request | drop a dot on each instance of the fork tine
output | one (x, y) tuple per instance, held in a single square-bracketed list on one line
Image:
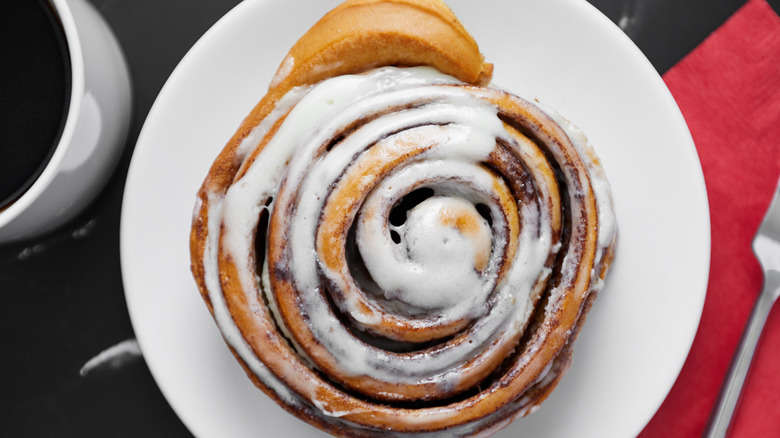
[(766, 243)]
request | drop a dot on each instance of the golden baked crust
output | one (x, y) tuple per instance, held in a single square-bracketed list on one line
[(534, 164), (362, 34)]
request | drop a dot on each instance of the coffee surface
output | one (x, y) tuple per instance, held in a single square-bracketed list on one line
[(34, 92)]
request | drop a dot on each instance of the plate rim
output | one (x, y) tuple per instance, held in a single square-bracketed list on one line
[(225, 20)]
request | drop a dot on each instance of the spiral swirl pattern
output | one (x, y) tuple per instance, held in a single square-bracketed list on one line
[(400, 251)]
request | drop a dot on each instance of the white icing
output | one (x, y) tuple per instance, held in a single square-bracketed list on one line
[(227, 327), (440, 270), (389, 263), (353, 356), (598, 179), (284, 70), (435, 271), (216, 211)]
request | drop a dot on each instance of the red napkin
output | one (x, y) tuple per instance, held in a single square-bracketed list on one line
[(728, 89)]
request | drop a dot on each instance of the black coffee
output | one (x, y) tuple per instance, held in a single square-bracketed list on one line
[(34, 92)]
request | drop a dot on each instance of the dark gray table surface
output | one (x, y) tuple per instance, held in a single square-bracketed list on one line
[(62, 295)]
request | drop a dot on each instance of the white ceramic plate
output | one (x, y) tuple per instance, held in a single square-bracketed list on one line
[(562, 51)]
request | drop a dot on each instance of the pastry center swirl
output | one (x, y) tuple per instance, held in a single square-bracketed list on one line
[(442, 275), (407, 241)]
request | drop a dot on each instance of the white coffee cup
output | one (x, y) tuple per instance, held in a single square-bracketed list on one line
[(94, 132)]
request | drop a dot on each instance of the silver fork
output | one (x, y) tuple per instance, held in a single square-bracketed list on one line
[(766, 246)]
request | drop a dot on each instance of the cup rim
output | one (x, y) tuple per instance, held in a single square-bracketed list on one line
[(77, 85)]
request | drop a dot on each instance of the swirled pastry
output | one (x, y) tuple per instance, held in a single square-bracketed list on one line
[(391, 248)]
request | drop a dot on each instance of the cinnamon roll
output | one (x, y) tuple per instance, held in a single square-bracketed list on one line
[(388, 246)]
